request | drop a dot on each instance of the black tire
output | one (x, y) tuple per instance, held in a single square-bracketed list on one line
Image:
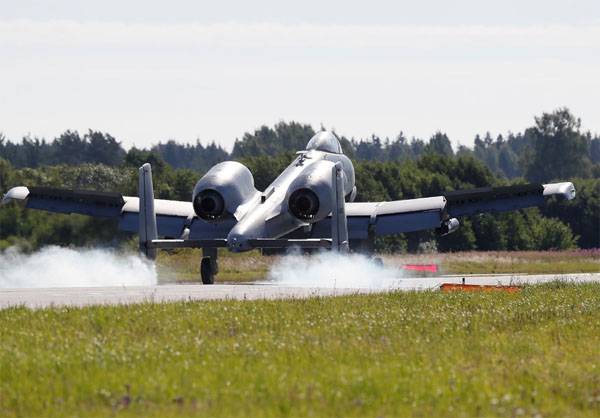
[(378, 261), (206, 271)]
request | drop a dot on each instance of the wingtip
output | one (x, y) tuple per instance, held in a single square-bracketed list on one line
[(16, 193), (564, 189)]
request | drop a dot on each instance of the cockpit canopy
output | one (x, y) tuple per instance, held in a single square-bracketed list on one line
[(325, 141)]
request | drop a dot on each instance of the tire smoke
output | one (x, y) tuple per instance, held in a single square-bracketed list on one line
[(67, 267), (332, 270)]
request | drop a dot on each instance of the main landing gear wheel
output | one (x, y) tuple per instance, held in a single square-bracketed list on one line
[(207, 270), (378, 261)]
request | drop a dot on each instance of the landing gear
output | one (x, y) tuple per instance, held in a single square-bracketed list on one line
[(208, 266), (206, 271)]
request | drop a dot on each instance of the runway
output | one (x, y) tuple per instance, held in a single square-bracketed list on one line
[(77, 296)]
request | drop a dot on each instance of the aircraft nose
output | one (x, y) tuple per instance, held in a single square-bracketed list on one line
[(240, 236)]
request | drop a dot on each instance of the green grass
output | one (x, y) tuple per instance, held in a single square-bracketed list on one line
[(530, 262), (398, 354), (555, 267)]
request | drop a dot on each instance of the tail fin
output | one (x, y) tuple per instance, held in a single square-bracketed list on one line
[(147, 217), (339, 224)]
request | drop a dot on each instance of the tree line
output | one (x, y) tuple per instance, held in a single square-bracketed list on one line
[(554, 146), (553, 149)]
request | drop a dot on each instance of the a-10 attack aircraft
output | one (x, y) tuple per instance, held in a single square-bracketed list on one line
[(310, 205)]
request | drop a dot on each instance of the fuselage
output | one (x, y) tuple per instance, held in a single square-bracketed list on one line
[(268, 214)]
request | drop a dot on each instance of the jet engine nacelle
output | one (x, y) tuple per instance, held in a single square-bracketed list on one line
[(310, 196), (222, 190), (448, 227)]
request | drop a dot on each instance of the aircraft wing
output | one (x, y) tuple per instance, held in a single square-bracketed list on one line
[(366, 219), (172, 216)]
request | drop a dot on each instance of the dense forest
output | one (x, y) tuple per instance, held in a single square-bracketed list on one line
[(553, 148)]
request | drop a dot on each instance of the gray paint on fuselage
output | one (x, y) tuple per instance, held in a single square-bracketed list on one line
[(271, 218)]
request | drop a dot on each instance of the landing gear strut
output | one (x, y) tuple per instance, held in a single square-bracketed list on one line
[(378, 261), (208, 266)]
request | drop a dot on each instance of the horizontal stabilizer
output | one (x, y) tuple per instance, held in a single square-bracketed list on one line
[(255, 243)]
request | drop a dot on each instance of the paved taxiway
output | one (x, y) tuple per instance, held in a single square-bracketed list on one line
[(77, 296)]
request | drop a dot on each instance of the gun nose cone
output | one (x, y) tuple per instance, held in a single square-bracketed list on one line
[(241, 235), (238, 243)]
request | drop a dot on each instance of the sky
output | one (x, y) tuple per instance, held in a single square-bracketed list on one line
[(148, 71)]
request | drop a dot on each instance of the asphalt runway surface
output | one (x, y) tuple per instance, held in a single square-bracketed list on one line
[(77, 296)]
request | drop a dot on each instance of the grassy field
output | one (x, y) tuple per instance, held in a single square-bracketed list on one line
[(534, 353), (183, 265), (528, 262)]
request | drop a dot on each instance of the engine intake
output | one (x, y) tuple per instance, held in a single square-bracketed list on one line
[(304, 204)]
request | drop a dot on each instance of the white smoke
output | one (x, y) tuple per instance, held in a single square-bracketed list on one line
[(67, 267), (334, 270)]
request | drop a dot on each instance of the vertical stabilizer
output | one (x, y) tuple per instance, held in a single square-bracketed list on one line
[(147, 228), (339, 225)]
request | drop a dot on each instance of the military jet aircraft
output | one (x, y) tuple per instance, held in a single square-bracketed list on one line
[(310, 205)]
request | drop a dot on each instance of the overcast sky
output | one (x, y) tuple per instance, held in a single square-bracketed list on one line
[(147, 71)]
